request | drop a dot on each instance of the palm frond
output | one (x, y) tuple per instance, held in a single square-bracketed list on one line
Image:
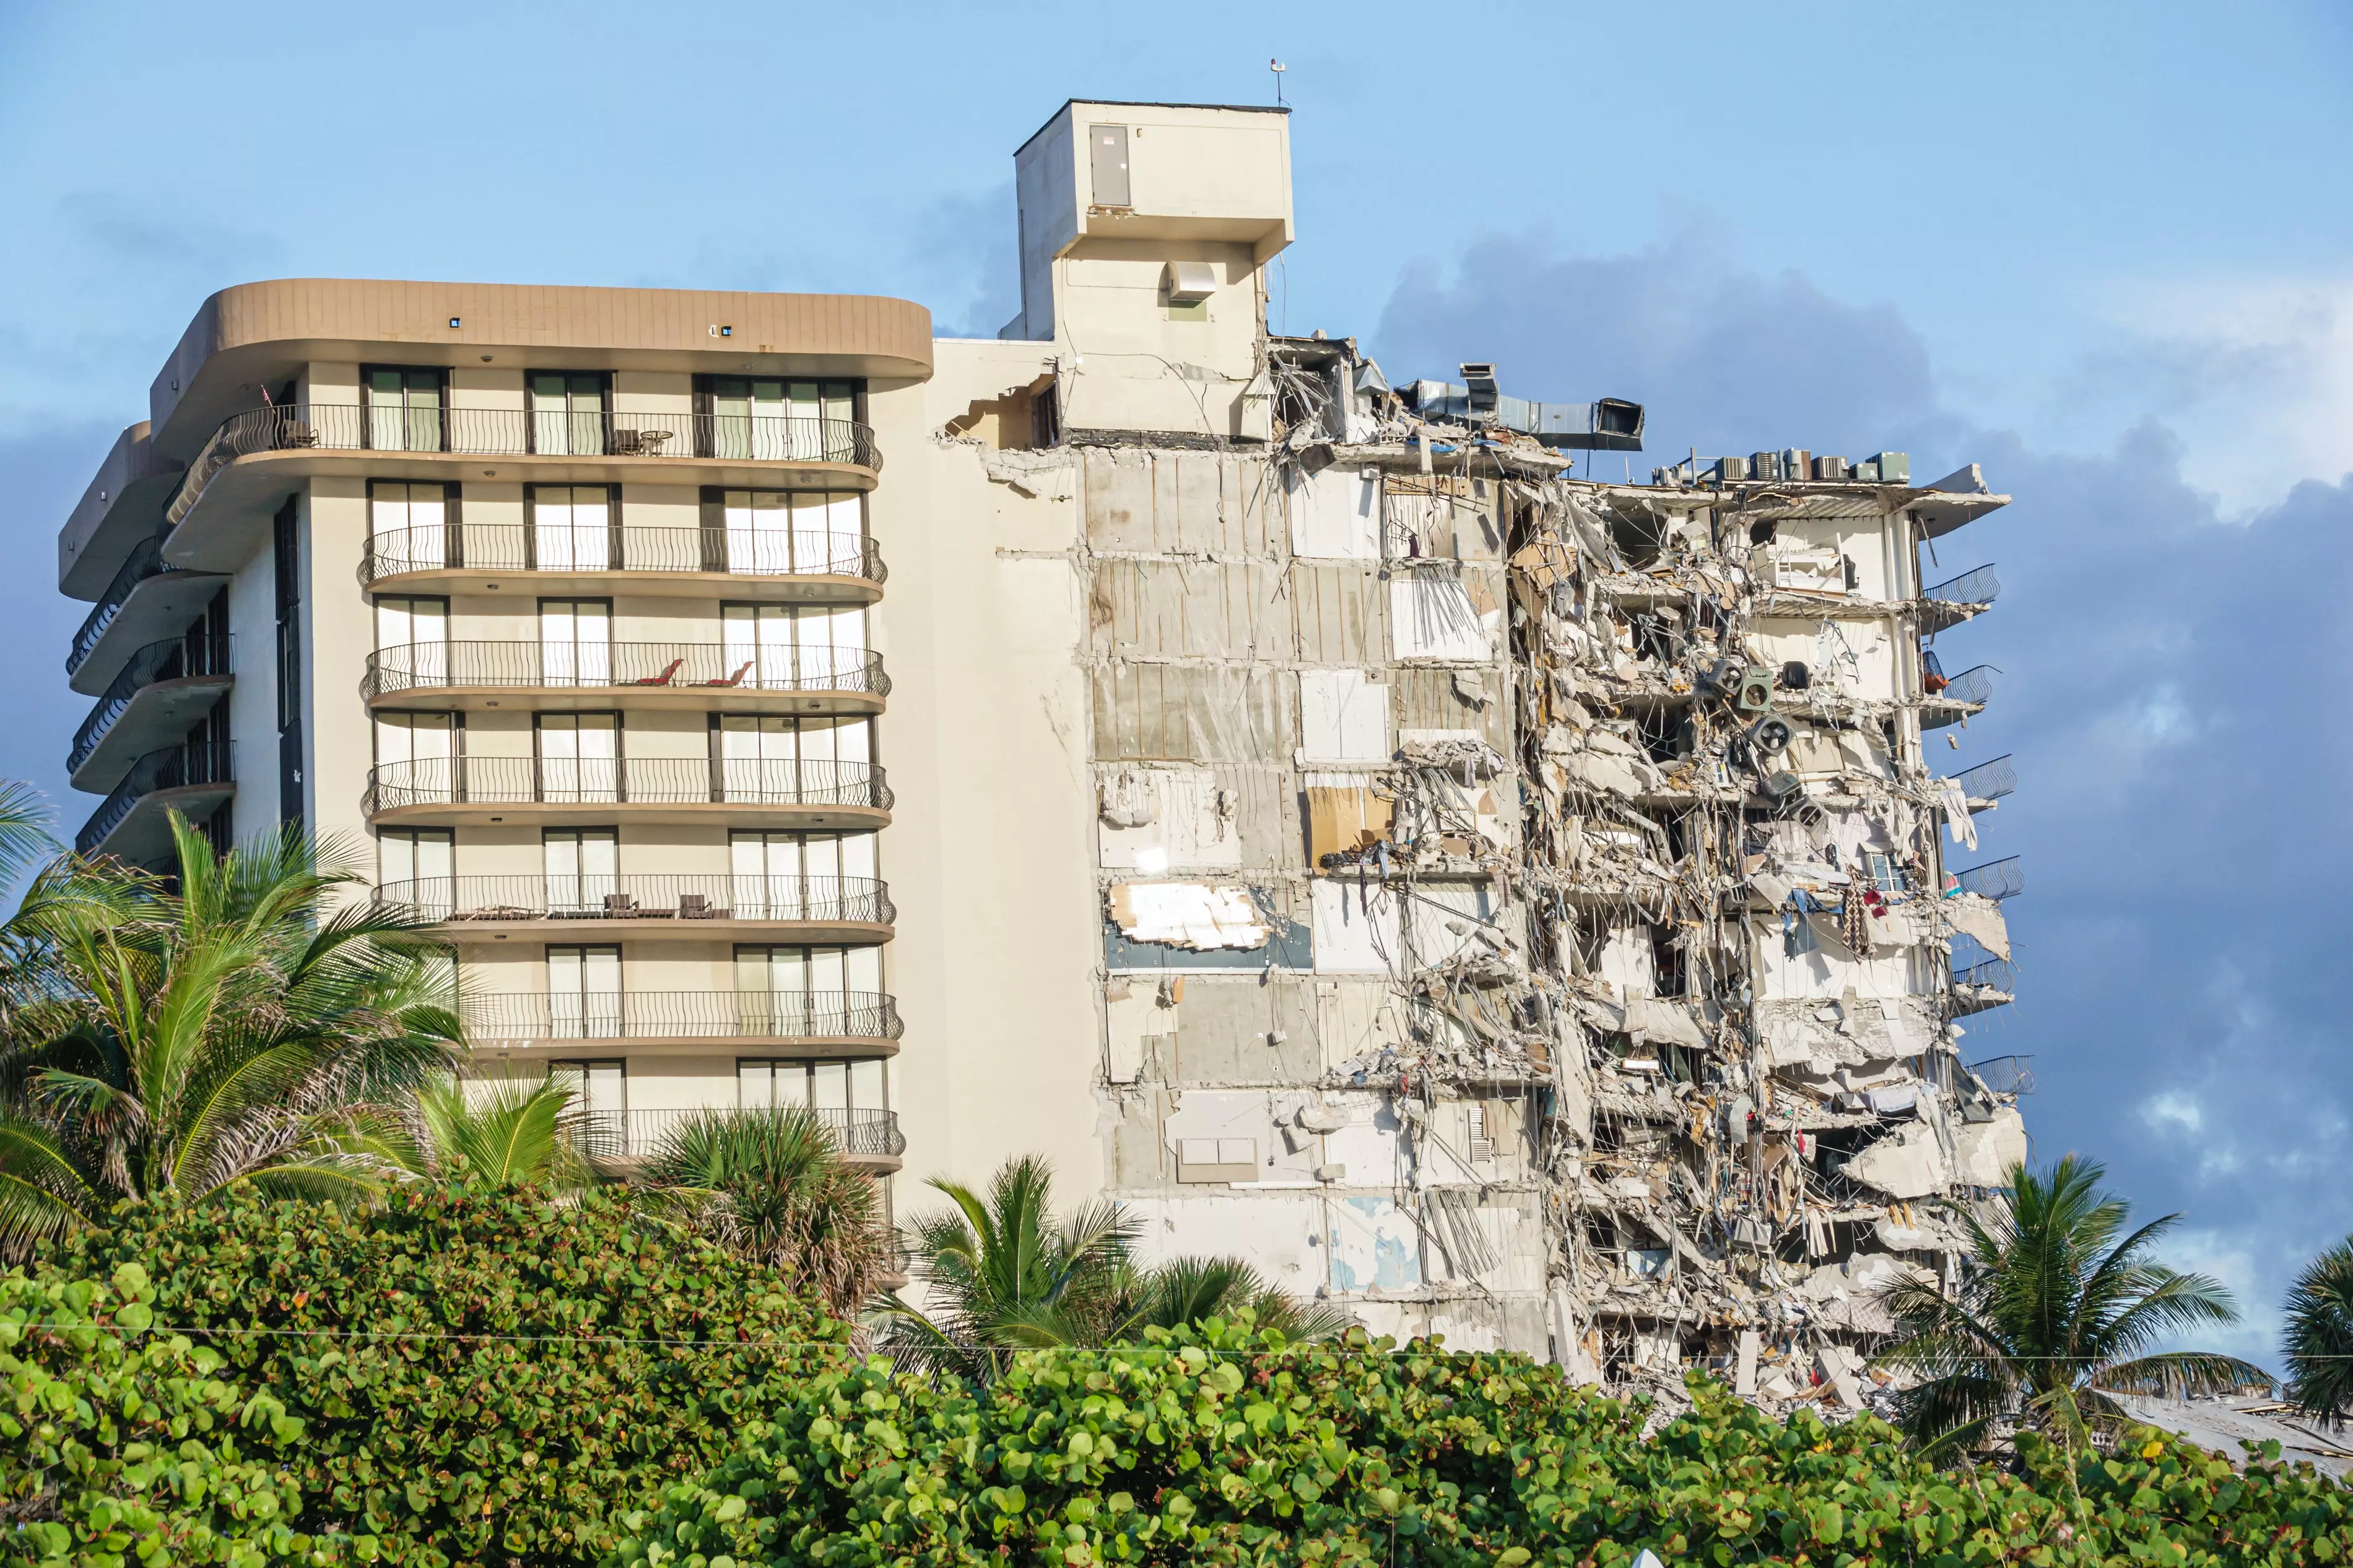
[(2318, 1340)]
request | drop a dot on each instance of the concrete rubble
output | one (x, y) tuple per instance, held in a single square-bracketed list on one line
[(1526, 916)]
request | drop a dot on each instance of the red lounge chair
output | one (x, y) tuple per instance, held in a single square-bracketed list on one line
[(734, 680), (661, 679)]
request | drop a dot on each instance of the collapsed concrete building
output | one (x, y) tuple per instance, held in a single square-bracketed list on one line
[(1320, 813), (1525, 914)]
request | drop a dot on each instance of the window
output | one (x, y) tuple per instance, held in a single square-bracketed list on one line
[(583, 992), (776, 533), (412, 641), (824, 1084), (600, 1093), (799, 876), (403, 408), (414, 753), (286, 556), (576, 642), (572, 526), (1884, 873), (409, 525), (416, 865), (776, 759), (808, 421), (579, 757), (567, 412), (788, 647), (583, 867), (805, 991)]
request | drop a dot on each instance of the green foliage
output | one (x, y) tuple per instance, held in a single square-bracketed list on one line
[(772, 1185), (1003, 1272), (2058, 1310), (1225, 1447), (480, 1372), (2319, 1336), (117, 1443), (507, 1132), (186, 1041)]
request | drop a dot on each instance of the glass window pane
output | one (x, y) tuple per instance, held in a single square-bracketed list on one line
[(866, 1091)]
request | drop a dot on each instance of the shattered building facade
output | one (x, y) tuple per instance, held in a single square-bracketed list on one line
[(1527, 910), (1318, 813)]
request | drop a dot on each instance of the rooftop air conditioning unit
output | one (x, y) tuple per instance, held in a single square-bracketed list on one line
[(1480, 379), (1766, 466), (1829, 468), (1189, 282)]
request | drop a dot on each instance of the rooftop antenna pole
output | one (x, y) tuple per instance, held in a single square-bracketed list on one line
[(1277, 68)]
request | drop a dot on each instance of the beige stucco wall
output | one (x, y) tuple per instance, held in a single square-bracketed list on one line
[(989, 850)]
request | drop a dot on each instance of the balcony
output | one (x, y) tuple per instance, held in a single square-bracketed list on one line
[(777, 566), (737, 678), (745, 792), (147, 599), (1958, 599), (165, 688), (219, 514), (1950, 701), (130, 823), (868, 1137), (1992, 983), (819, 909), (813, 1018)]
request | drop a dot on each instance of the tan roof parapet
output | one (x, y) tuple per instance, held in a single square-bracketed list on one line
[(254, 333)]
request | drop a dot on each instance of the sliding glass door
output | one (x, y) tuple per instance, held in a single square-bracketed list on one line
[(568, 413)]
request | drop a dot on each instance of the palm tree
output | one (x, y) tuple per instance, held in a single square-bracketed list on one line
[(2319, 1339), (181, 1040), (1001, 1273), (772, 1185), (506, 1133), (2054, 1318)]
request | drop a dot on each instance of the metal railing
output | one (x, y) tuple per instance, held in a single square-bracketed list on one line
[(619, 665), (516, 432), (202, 653), (1993, 974), (1994, 880), (685, 1015), (173, 767), (635, 1134), (721, 897), (1976, 587), (2006, 1075), (144, 562), (565, 547), (631, 781), (1973, 687), (1989, 781)]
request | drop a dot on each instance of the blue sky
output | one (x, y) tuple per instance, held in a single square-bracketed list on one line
[(2102, 250)]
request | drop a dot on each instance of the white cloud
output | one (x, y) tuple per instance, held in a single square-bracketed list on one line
[(2255, 373)]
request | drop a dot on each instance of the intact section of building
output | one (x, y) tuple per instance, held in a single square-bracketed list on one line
[(1506, 904)]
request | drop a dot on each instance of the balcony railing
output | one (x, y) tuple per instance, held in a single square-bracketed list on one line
[(173, 768), (1993, 974), (685, 1015), (1994, 880), (635, 1134), (144, 562), (545, 547), (202, 653), (1989, 781), (2006, 1075), (517, 433), (836, 899), (1973, 687), (721, 666), (632, 780), (1980, 587)]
